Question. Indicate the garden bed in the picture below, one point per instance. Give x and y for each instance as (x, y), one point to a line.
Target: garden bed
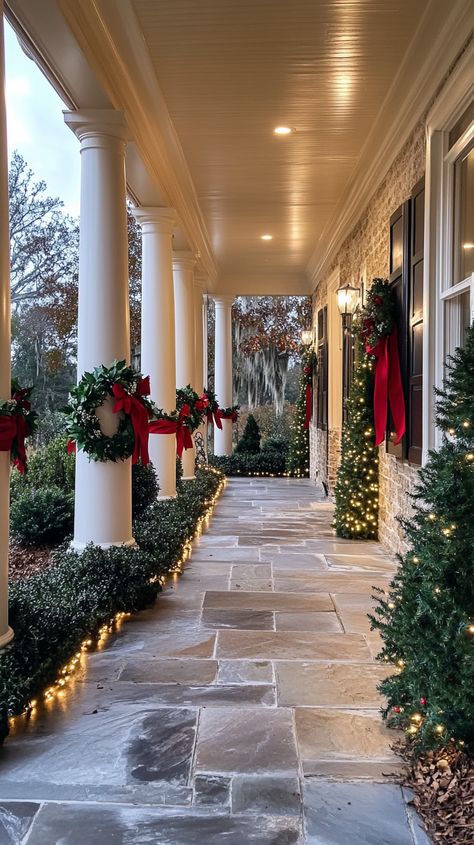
(55, 612)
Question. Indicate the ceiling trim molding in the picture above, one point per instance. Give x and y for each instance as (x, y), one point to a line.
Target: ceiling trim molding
(111, 39)
(397, 119)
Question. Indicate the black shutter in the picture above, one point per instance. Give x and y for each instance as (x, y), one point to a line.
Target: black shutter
(415, 325)
(398, 259)
(322, 400)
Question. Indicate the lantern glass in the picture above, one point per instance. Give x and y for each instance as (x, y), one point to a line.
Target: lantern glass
(347, 300)
(306, 337)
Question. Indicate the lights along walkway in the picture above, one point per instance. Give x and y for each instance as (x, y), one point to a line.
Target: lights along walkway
(243, 705)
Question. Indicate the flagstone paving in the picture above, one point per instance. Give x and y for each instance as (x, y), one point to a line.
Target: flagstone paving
(242, 707)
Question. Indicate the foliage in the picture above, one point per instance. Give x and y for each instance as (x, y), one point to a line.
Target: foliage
(50, 466)
(44, 270)
(145, 488)
(83, 424)
(41, 517)
(356, 513)
(379, 313)
(276, 444)
(427, 618)
(269, 423)
(267, 333)
(250, 440)
(246, 464)
(54, 612)
(298, 455)
(51, 424)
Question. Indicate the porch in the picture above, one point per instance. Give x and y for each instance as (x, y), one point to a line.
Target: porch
(243, 705)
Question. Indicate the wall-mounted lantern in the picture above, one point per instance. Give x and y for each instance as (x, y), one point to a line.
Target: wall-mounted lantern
(307, 337)
(348, 298)
(347, 301)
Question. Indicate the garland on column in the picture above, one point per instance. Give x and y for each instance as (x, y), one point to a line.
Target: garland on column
(427, 618)
(17, 421)
(130, 391)
(356, 492)
(298, 456)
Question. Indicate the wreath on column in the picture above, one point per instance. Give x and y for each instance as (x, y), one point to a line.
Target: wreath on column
(230, 413)
(129, 391)
(212, 410)
(17, 421)
(378, 330)
(195, 405)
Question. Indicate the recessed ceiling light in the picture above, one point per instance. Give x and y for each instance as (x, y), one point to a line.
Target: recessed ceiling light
(468, 246)
(283, 130)
(266, 237)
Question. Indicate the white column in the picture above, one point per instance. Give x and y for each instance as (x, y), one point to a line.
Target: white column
(6, 632)
(103, 503)
(200, 382)
(183, 264)
(223, 370)
(158, 358)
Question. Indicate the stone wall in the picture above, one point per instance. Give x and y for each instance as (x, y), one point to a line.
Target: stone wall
(365, 253)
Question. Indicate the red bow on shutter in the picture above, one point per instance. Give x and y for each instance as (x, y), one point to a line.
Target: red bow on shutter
(388, 389)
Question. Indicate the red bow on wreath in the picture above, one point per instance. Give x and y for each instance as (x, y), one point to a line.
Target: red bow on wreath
(227, 415)
(178, 427)
(138, 414)
(14, 428)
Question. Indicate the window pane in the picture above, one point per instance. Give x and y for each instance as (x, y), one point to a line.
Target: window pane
(464, 217)
(396, 253)
(457, 320)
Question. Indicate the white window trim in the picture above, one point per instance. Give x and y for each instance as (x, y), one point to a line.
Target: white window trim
(449, 106)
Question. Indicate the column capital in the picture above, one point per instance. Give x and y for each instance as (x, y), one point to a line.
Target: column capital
(224, 300)
(159, 218)
(89, 124)
(183, 259)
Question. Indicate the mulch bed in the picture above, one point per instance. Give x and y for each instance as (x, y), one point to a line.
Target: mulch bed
(25, 561)
(443, 782)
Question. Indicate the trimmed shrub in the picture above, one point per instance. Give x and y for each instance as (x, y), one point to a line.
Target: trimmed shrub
(145, 488)
(50, 466)
(265, 463)
(42, 517)
(249, 443)
(53, 612)
(276, 444)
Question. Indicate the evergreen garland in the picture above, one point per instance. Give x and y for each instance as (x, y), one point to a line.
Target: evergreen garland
(427, 619)
(356, 513)
(298, 456)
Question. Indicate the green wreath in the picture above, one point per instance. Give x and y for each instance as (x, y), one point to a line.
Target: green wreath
(197, 411)
(130, 391)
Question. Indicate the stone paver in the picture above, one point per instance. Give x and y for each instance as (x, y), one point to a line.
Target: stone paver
(237, 709)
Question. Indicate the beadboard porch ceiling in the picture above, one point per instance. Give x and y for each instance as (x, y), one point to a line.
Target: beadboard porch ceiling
(232, 71)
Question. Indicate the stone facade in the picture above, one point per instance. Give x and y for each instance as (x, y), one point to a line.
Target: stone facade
(365, 253)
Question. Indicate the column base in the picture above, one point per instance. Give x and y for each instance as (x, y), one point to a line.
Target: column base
(188, 478)
(7, 637)
(77, 546)
(166, 498)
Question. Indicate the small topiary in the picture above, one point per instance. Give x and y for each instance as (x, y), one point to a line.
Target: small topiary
(250, 441)
(145, 488)
(42, 517)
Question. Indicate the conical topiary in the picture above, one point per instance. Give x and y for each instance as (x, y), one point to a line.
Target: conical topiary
(250, 440)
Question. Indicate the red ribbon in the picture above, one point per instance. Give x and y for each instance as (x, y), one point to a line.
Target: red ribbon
(71, 447)
(388, 389)
(232, 415)
(214, 416)
(202, 404)
(178, 427)
(11, 428)
(132, 406)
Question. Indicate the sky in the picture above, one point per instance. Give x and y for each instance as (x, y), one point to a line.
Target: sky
(36, 128)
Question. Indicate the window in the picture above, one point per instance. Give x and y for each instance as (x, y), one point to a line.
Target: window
(406, 277)
(322, 393)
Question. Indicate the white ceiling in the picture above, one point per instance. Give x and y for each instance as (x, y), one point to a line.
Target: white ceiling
(232, 70)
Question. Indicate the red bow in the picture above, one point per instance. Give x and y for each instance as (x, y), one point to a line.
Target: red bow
(202, 403)
(178, 427)
(308, 405)
(388, 389)
(132, 406)
(21, 400)
(14, 428)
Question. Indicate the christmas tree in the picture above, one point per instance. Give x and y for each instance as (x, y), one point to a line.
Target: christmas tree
(356, 513)
(297, 464)
(250, 440)
(427, 618)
